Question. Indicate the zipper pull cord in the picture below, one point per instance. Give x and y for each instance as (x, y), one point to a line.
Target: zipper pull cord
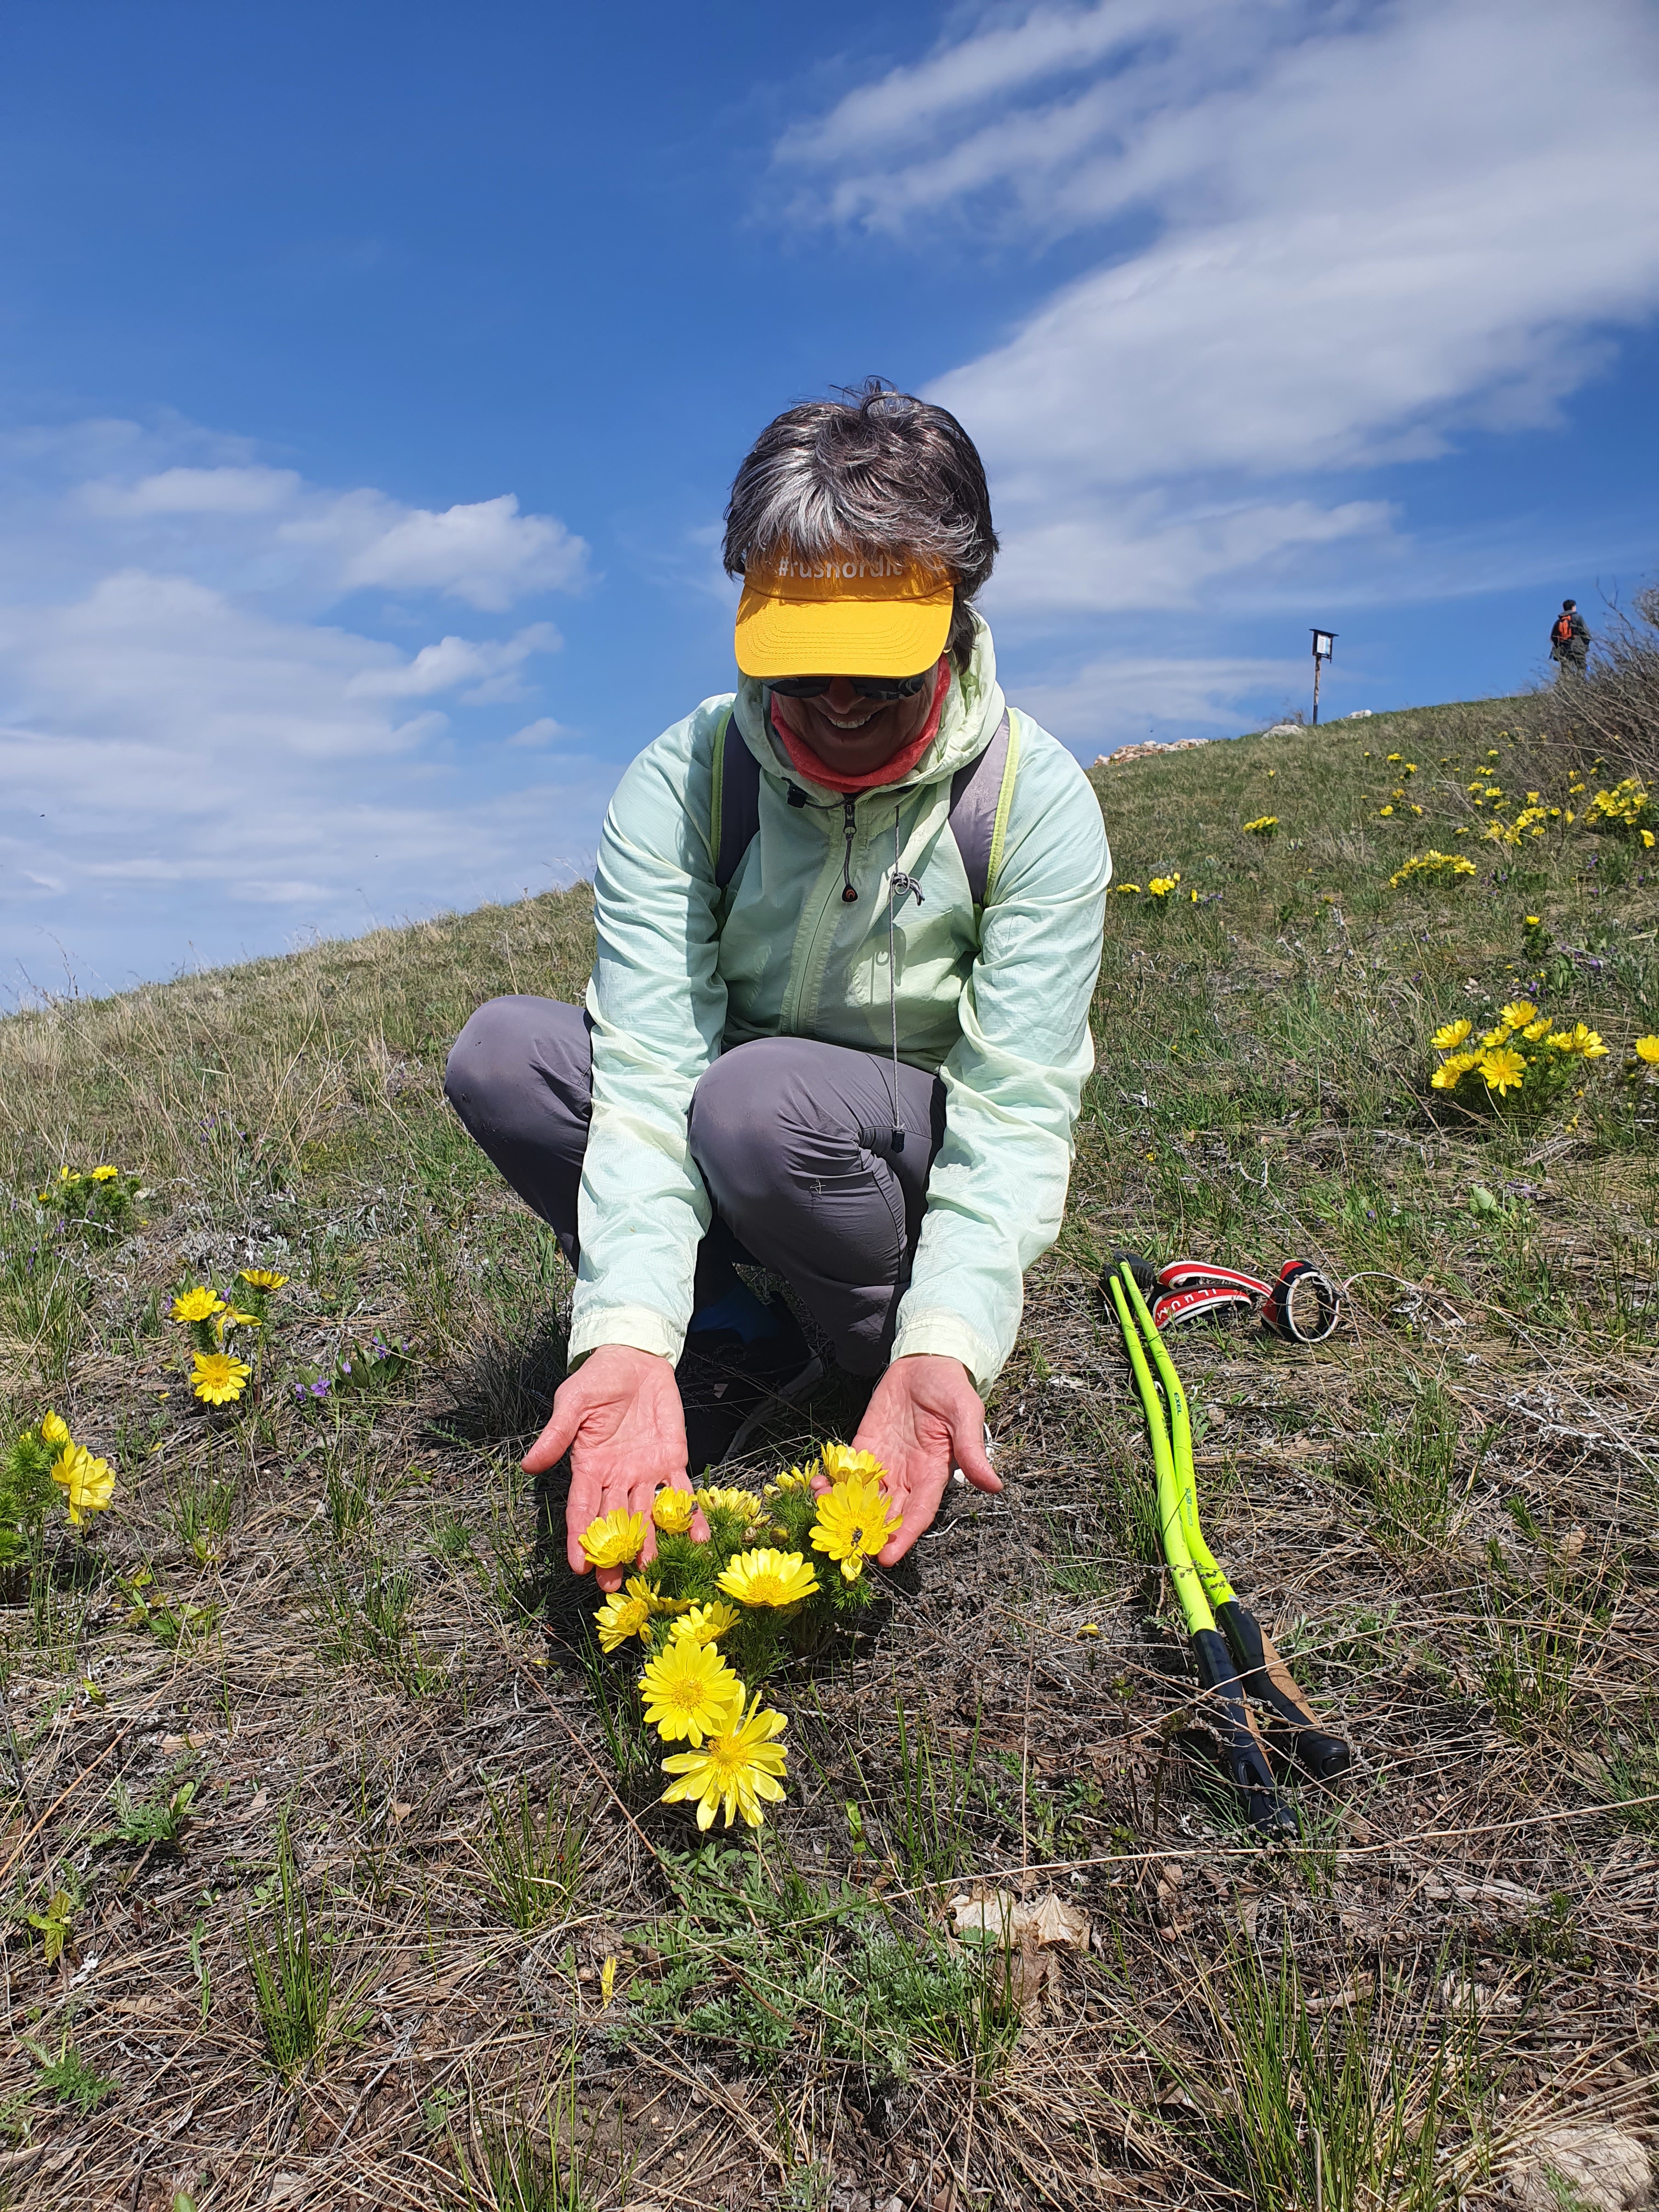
(899, 888)
(849, 893)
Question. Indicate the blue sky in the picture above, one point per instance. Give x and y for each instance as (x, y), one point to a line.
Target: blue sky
(371, 378)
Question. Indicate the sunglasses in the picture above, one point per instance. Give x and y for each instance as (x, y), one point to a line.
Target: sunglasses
(867, 687)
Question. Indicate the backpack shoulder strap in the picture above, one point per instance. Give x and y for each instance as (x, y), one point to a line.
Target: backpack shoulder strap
(734, 807)
(980, 795)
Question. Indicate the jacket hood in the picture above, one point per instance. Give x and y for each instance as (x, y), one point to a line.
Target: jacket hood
(974, 706)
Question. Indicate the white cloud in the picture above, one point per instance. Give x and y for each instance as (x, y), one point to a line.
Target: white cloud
(544, 731)
(1328, 238)
(488, 554)
(194, 757)
(1115, 701)
(456, 660)
(320, 545)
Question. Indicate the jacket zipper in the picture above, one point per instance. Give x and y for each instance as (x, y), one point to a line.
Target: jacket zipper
(848, 891)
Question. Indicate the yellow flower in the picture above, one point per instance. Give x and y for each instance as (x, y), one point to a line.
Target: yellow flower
(707, 1624)
(1647, 1048)
(262, 1279)
(690, 1691)
(614, 1539)
(1397, 756)
(1534, 1031)
(1161, 886)
(1447, 1075)
(54, 1429)
(1534, 920)
(672, 1510)
(105, 1174)
(69, 1175)
(769, 1577)
(1647, 841)
(218, 1379)
(1518, 1013)
(1502, 1071)
(231, 1318)
(1449, 1038)
(737, 1769)
(607, 1983)
(1385, 809)
(1493, 1038)
(854, 1521)
(1559, 1041)
(841, 1463)
(626, 1613)
(1117, 887)
(87, 1483)
(742, 1504)
(1263, 826)
(199, 1304)
(797, 1477)
(1588, 1042)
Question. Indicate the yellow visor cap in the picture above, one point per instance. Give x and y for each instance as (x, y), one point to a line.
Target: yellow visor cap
(858, 615)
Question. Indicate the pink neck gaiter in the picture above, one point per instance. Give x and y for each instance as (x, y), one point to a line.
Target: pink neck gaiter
(890, 771)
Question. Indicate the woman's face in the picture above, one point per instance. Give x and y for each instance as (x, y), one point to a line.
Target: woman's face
(852, 735)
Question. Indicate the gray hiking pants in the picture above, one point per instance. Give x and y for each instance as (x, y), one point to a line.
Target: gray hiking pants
(793, 1140)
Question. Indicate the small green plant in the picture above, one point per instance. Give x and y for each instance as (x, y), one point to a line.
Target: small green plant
(542, 2164)
(199, 1507)
(303, 2008)
(1342, 2109)
(1408, 1471)
(533, 1854)
(67, 2076)
(99, 1201)
(926, 1816)
(161, 1819)
(1632, 1768)
(170, 1620)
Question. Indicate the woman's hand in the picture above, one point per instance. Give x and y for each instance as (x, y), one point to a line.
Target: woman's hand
(620, 1419)
(924, 1417)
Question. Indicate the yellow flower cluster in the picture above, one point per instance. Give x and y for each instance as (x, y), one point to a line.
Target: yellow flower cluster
(48, 1449)
(1431, 867)
(1263, 826)
(1160, 886)
(697, 1594)
(217, 1376)
(1624, 807)
(1500, 1061)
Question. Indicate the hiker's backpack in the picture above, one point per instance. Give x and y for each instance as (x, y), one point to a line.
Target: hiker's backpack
(980, 795)
(1563, 630)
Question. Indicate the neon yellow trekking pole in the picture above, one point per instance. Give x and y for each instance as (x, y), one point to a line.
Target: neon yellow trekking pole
(1263, 1673)
(1241, 1748)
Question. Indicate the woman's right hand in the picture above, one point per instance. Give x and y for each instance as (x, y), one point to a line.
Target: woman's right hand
(620, 1419)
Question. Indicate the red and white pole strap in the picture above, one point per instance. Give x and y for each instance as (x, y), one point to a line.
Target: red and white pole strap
(1301, 1305)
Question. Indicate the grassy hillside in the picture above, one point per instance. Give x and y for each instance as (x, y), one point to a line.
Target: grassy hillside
(316, 1780)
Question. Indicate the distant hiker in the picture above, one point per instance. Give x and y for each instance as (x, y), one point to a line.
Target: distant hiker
(850, 925)
(1570, 640)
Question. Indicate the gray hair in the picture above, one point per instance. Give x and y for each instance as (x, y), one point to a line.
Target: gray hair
(874, 472)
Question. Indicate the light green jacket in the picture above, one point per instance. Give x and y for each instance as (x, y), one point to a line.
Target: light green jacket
(996, 1003)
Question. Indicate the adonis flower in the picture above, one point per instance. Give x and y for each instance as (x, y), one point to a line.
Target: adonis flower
(218, 1379)
(769, 1577)
(199, 1304)
(1534, 1031)
(614, 1539)
(735, 1769)
(230, 1318)
(1647, 1048)
(741, 1503)
(690, 1691)
(626, 1614)
(854, 1521)
(842, 1464)
(54, 1429)
(1502, 1071)
(672, 1510)
(1518, 1013)
(87, 1483)
(105, 1174)
(707, 1624)
(1449, 1038)
(262, 1279)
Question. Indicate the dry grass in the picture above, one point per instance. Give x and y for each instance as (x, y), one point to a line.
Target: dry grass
(408, 1799)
